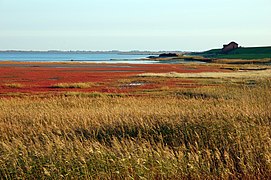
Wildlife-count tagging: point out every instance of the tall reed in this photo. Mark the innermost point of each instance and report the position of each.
(206, 133)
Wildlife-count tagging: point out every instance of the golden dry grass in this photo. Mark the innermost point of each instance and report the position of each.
(209, 133)
(240, 74)
(14, 85)
(79, 85)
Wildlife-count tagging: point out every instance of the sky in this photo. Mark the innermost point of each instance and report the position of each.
(184, 25)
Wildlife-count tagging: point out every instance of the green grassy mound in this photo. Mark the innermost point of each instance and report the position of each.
(240, 53)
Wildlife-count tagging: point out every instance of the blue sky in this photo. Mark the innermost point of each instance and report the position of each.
(133, 24)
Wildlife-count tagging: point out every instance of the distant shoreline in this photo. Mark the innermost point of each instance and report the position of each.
(95, 52)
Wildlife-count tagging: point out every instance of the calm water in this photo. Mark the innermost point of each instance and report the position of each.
(64, 57)
(80, 57)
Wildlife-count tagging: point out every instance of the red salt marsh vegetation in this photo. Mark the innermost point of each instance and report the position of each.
(111, 78)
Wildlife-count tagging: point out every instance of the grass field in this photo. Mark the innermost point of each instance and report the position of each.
(240, 53)
(218, 131)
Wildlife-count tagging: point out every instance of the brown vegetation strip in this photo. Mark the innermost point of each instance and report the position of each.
(242, 74)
